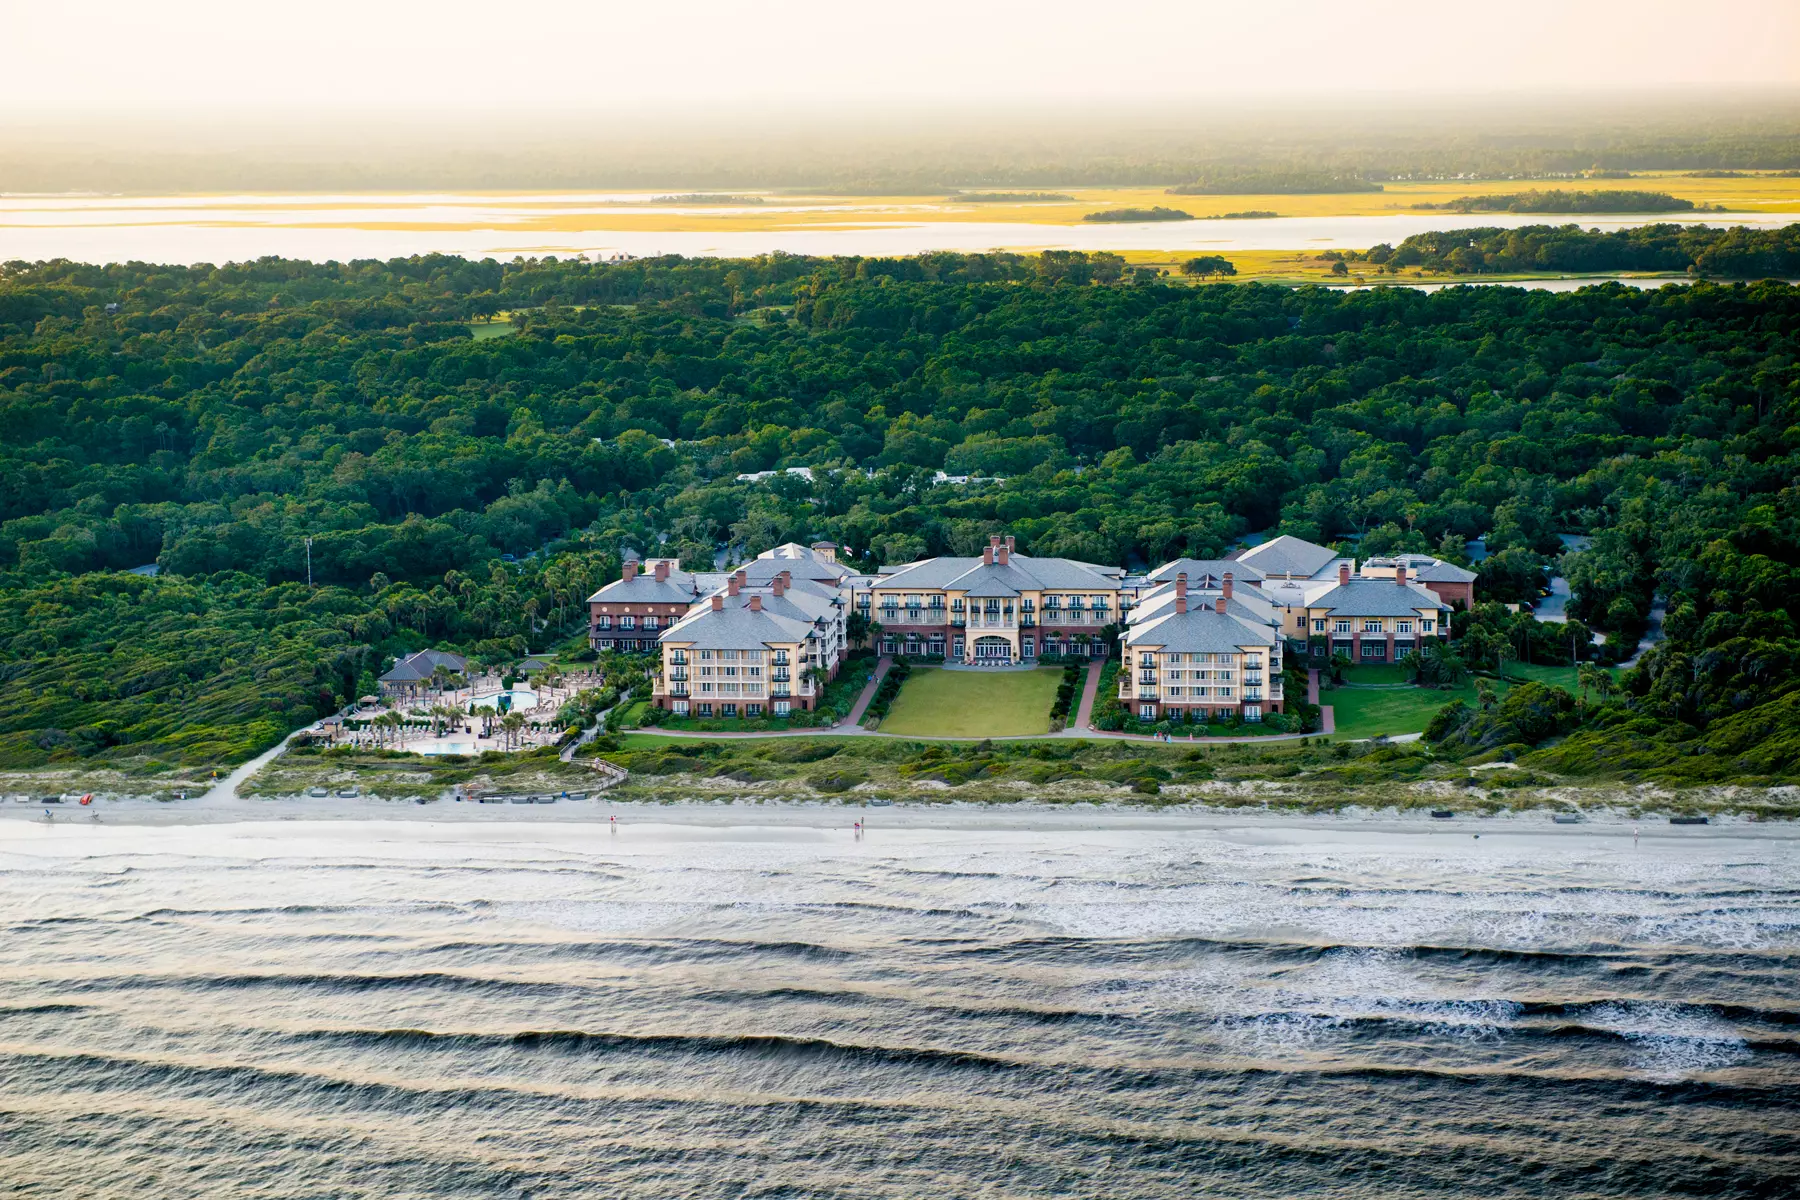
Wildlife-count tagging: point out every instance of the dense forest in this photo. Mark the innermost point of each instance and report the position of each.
(209, 420)
(1557, 200)
(1735, 253)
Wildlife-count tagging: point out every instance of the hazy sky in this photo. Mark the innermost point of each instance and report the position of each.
(231, 56)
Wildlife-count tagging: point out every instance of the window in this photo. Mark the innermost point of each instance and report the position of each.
(1371, 625)
(1427, 626)
(753, 710)
(1318, 625)
(1252, 712)
(1340, 627)
(1374, 649)
(782, 708)
(681, 708)
(1147, 712)
(1029, 648)
(705, 709)
(1403, 627)
(890, 645)
(627, 622)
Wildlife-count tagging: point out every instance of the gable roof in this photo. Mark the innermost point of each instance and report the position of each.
(1376, 598)
(736, 627)
(1199, 631)
(680, 587)
(1202, 569)
(1245, 604)
(1021, 573)
(420, 666)
(1287, 555)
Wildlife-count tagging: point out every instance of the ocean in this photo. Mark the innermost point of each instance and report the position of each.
(991, 1007)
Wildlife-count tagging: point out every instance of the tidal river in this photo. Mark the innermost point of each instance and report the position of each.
(969, 1006)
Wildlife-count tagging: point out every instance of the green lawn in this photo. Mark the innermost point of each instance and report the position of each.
(1563, 677)
(1371, 712)
(1376, 675)
(938, 703)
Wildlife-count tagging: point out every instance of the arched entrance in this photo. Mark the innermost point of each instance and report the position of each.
(993, 650)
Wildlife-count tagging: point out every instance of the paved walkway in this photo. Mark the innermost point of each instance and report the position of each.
(1090, 691)
(1327, 718)
(868, 693)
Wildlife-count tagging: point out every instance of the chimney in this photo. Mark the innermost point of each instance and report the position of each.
(742, 576)
(1009, 543)
(787, 579)
(1227, 588)
(756, 604)
(1343, 574)
(731, 586)
(1400, 574)
(1219, 606)
(630, 569)
(994, 540)
(987, 557)
(662, 570)
(1181, 593)
(718, 604)
(1003, 554)
(778, 585)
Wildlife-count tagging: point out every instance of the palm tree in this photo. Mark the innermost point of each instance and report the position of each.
(512, 723)
(487, 713)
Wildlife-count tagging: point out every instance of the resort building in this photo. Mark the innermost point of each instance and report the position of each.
(763, 640)
(631, 612)
(1003, 607)
(423, 671)
(1372, 620)
(748, 652)
(1376, 614)
(1186, 657)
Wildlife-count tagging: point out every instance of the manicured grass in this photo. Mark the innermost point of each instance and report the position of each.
(481, 331)
(1385, 675)
(1369, 712)
(939, 703)
(1563, 677)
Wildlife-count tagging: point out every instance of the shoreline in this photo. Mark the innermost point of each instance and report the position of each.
(947, 815)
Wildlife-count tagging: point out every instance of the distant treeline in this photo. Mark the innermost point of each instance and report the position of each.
(1559, 201)
(1158, 213)
(1008, 197)
(1739, 253)
(1272, 183)
(1197, 147)
(706, 198)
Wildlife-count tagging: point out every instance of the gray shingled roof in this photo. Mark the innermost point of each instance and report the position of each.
(678, 588)
(1376, 598)
(1243, 603)
(418, 666)
(1022, 574)
(736, 627)
(1287, 555)
(1205, 568)
(1199, 631)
